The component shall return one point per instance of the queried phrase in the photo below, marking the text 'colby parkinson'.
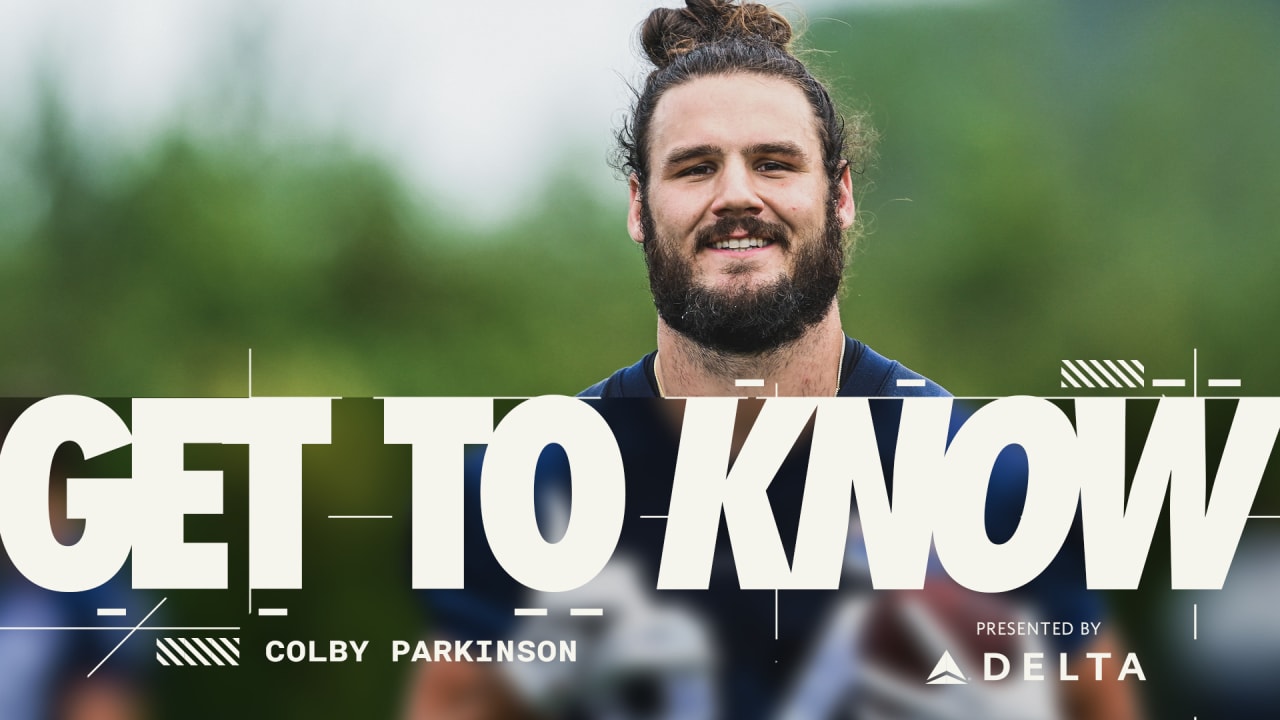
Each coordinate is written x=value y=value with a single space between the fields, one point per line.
x=502 y=651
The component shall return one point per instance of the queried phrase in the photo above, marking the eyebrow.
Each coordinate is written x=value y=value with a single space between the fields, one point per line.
x=684 y=154
x=681 y=155
x=786 y=148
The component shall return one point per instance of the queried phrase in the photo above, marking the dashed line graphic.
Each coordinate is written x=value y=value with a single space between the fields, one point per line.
x=1103 y=374
x=125 y=639
x=194 y=651
x=573 y=612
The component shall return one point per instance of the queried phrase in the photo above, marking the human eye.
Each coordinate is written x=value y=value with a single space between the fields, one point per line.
x=699 y=170
x=772 y=166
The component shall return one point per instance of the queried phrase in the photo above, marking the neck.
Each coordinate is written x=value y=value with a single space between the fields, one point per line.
x=809 y=366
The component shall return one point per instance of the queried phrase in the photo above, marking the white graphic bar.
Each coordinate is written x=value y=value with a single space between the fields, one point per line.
x=910 y=382
x=749 y=382
x=194 y=651
x=126 y=637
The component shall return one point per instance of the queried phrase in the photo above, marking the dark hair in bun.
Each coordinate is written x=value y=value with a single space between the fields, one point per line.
x=718 y=37
x=667 y=34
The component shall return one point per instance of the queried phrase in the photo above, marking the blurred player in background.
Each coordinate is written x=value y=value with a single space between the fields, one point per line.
x=49 y=674
x=740 y=174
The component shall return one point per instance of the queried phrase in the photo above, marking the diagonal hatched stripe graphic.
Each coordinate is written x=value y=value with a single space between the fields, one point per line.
x=194 y=651
x=1102 y=374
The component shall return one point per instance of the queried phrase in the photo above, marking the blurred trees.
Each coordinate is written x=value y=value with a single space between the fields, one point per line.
x=1067 y=180
x=1054 y=181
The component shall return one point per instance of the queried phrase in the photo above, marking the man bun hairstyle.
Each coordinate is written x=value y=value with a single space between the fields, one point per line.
x=668 y=33
x=720 y=37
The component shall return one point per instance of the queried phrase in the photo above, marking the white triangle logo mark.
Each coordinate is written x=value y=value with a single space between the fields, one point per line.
x=946 y=672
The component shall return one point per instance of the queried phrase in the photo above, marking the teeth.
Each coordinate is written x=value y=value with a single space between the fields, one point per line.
x=739 y=244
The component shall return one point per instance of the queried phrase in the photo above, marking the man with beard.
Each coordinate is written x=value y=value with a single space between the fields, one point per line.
x=741 y=195
x=740 y=179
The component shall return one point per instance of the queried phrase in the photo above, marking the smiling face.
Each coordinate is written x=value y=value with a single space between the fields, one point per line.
x=743 y=231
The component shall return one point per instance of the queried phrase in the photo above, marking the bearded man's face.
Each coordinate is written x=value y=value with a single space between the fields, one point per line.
x=742 y=228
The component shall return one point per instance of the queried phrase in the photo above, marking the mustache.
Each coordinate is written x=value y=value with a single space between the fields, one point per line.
x=754 y=227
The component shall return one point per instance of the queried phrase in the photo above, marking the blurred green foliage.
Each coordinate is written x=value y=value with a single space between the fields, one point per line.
x=1055 y=180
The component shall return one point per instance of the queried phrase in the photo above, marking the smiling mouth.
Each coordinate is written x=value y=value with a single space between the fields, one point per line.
x=747 y=243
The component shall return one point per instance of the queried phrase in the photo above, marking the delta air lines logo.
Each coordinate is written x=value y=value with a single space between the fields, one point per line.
x=946 y=672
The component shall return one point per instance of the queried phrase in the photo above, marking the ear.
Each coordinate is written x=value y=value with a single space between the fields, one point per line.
x=845 y=210
x=634 y=226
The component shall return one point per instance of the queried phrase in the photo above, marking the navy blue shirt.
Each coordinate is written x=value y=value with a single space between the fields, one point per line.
x=865 y=373
x=754 y=669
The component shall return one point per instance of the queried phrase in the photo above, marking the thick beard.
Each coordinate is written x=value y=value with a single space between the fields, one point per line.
x=746 y=320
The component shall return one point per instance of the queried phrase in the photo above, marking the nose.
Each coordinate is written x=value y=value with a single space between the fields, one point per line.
x=736 y=191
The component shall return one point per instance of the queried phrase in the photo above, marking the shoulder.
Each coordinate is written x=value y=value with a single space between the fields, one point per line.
x=874 y=375
x=631 y=381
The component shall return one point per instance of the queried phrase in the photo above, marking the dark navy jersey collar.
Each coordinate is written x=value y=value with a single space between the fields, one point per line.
x=865 y=373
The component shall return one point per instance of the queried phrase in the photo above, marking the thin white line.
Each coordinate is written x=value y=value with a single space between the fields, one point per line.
x=250 y=372
x=1224 y=382
x=587 y=612
x=1264 y=517
x=775 y=614
x=152 y=628
x=359 y=517
x=531 y=612
x=1169 y=382
x=273 y=612
x=910 y=382
x=1195 y=621
x=126 y=637
x=653 y=517
x=749 y=382
x=1195 y=370
x=111 y=612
